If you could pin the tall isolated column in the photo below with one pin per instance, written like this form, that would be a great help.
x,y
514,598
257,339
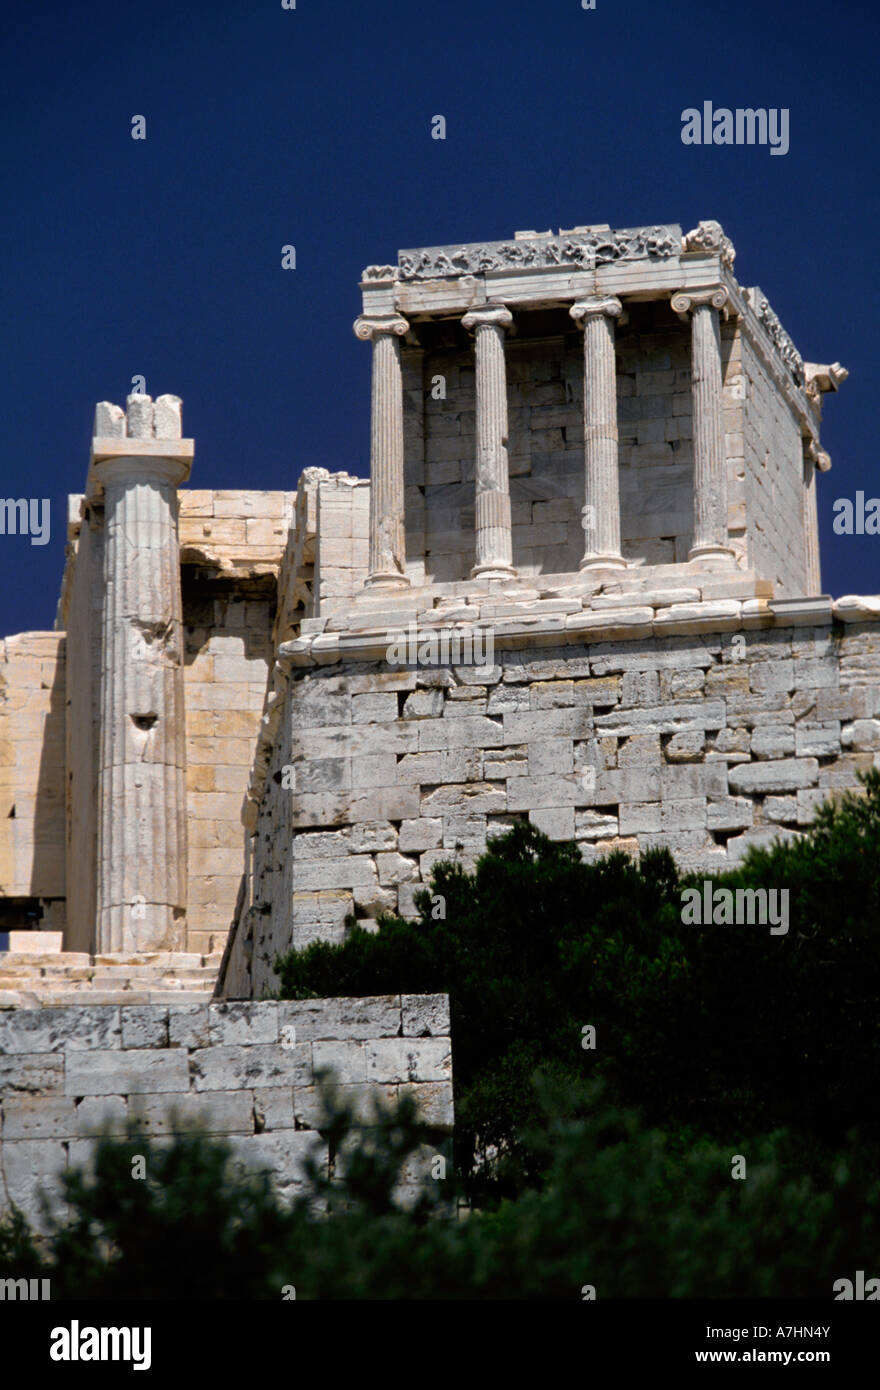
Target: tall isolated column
x,y
138,462
711,541
494,545
387,560
601,516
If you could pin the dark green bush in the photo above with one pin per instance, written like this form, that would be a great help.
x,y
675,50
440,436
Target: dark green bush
x,y
722,1029
623,1209
191,1228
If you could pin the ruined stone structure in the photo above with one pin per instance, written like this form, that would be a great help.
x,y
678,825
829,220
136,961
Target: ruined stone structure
x,y
581,587
597,455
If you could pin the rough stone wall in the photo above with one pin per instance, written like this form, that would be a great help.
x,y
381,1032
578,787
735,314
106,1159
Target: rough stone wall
x,y
325,771
342,545
32,773
231,544
235,531
655,429
228,650
705,743
245,1072
774,472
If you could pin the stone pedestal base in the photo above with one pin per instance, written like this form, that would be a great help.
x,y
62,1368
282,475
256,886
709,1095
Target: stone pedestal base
x,y
493,572
710,558
603,562
391,580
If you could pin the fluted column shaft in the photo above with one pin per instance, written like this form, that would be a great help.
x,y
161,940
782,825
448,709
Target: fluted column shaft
x,y
494,544
142,755
387,557
814,458
601,515
711,541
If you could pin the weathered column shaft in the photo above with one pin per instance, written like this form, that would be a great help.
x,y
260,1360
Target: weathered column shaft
x,y
142,850
815,460
387,557
710,504
710,464
494,545
601,515
811,531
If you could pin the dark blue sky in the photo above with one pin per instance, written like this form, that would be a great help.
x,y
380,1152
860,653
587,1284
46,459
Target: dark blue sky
x,y
312,127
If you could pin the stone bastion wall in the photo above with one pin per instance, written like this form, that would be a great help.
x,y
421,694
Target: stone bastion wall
x,y
244,1072
706,727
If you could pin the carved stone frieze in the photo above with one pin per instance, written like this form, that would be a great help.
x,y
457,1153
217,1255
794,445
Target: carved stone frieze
x,y
781,341
575,249
379,272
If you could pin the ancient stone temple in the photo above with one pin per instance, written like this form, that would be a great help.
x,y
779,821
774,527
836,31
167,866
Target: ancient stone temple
x,y
580,587
583,586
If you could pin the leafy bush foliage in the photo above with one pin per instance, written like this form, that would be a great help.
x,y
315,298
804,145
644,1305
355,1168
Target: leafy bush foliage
x,y
623,1209
718,1029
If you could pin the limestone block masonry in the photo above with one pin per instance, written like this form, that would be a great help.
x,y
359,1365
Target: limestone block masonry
x,y
243,1072
617,719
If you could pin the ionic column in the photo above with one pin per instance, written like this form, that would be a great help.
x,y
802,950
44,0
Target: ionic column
x,y
494,546
387,561
814,458
601,516
138,462
711,542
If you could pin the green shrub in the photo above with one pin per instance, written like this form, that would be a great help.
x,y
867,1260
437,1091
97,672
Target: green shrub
x,y
623,1209
711,1028
191,1228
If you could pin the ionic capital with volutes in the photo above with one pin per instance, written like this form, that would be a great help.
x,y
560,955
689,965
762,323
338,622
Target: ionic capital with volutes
x,y
583,309
369,326
683,302
487,316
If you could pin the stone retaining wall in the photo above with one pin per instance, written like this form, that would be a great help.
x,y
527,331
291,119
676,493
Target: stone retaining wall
x,y
245,1072
705,741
